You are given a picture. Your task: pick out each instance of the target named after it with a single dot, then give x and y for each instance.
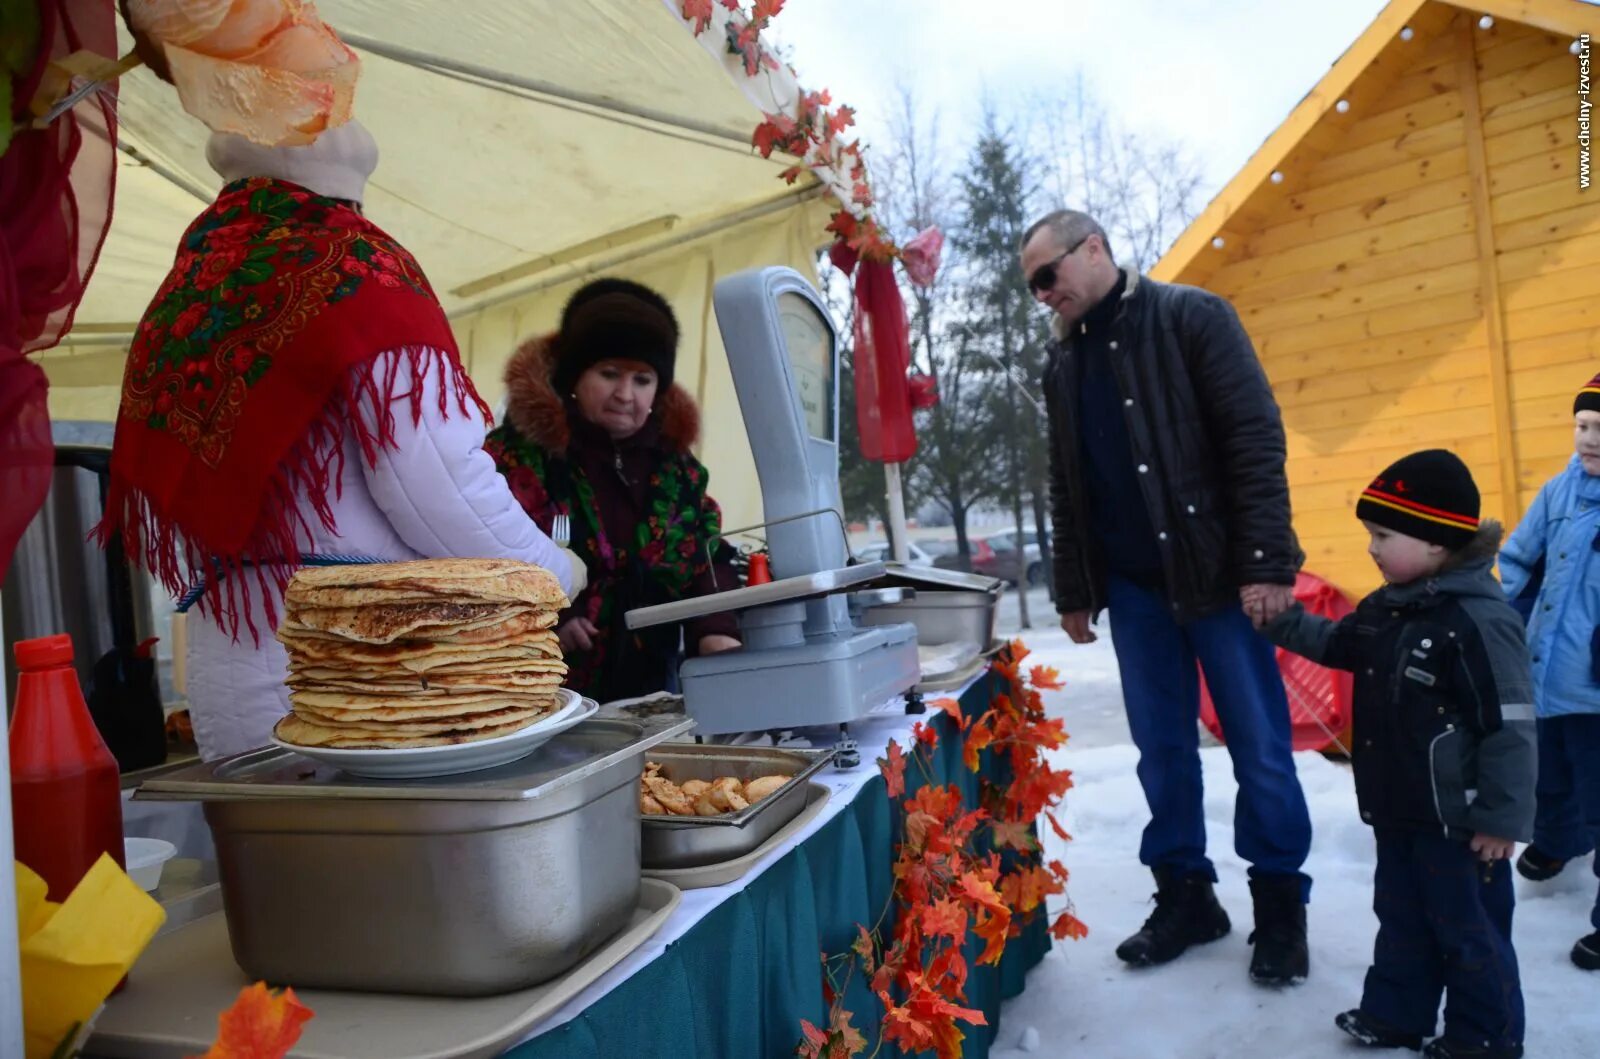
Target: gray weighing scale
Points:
(805, 660)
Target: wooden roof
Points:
(1359, 77)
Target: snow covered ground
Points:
(1082, 1002)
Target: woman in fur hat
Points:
(596, 429)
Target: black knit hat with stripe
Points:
(1588, 399)
(1429, 495)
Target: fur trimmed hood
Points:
(1484, 547)
(540, 414)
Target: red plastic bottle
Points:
(760, 570)
(66, 794)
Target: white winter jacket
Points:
(434, 494)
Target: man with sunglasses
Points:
(1170, 509)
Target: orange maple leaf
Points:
(927, 1020)
(945, 918)
(864, 948)
(979, 737)
(925, 735)
(894, 770)
(918, 827)
(815, 1040)
(950, 965)
(841, 120)
(951, 707)
(941, 803)
(700, 12)
(994, 929)
(1067, 926)
(1013, 834)
(1046, 678)
(844, 1040)
(260, 1025)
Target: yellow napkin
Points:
(74, 953)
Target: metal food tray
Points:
(169, 1009)
(695, 841)
(723, 872)
(821, 583)
(955, 678)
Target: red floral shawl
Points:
(240, 384)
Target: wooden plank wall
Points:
(1364, 292)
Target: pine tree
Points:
(1004, 324)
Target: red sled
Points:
(1319, 698)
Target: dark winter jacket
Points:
(1207, 444)
(1444, 730)
(640, 515)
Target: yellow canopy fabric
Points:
(527, 145)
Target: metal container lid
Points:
(933, 577)
(274, 773)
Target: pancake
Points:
(298, 731)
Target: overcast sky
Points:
(1218, 76)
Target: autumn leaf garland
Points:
(945, 888)
(815, 133)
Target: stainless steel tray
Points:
(566, 761)
(951, 681)
(169, 1009)
(693, 841)
(822, 583)
(942, 617)
(726, 871)
(468, 885)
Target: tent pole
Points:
(897, 513)
(569, 270)
(10, 957)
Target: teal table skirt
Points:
(738, 983)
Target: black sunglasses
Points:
(1044, 277)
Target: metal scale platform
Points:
(805, 660)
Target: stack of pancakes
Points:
(425, 653)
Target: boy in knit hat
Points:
(1444, 757)
(1553, 555)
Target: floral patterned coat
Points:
(641, 521)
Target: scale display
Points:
(808, 340)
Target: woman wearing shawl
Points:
(294, 391)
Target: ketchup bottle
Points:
(66, 794)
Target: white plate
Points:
(421, 761)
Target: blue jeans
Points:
(1444, 927)
(1161, 688)
(1568, 820)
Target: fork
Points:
(561, 530)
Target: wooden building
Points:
(1416, 261)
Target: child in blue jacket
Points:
(1559, 538)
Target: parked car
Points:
(879, 550)
(951, 559)
(1004, 563)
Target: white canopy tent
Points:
(527, 145)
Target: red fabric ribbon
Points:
(881, 360)
(56, 186)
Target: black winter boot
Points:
(1586, 953)
(1375, 1033)
(1445, 1048)
(1281, 957)
(1186, 913)
(1537, 865)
